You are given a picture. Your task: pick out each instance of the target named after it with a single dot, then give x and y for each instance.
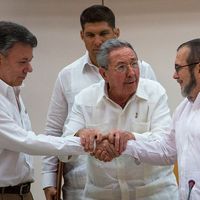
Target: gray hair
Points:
(11, 33)
(107, 47)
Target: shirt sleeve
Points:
(56, 116)
(75, 120)
(160, 151)
(146, 71)
(17, 139)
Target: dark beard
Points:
(190, 86)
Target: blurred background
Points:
(155, 28)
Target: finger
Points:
(107, 158)
(91, 142)
(117, 141)
(125, 141)
(98, 137)
(103, 155)
(83, 141)
(110, 149)
(122, 140)
(87, 142)
(98, 154)
(111, 136)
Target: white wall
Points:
(154, 27)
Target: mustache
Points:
(178, 81)
(131, 80)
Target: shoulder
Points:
(90, 95)
(70, 72)
(151, 89)
(4, 102)
(144, 64)
(179, 109)
(151, 85)
(146, 70)
(76, 66)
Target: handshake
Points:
(104, 147)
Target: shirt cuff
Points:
(139, 136)
(48, 180)
(130, 151)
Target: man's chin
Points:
(18, 84)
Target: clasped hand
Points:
(104, 147)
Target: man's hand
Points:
(50, 193)
(105, 151)
(119, 139)
(89, 137)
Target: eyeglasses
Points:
(179, 67)
(123, 67)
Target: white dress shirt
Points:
(183, 142)
(145, 113)
(17, 140)
(71, 80)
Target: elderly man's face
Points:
(15, 66)
(122, 75)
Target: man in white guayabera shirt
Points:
(17, 141)
(119, 106)
(182, 141)
(98, 25)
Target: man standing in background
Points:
(98, 25)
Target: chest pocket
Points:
(140, 127)
(141, 121)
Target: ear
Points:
(81, 34)
(199, 67)
(103, 73)
(1, 57)
(117, 32)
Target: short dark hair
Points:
(11, 33)
(97, 13)
(194, 46)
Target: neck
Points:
(93, 61)
(192, 98)
(193, 95)
(118, 99)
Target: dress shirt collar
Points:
(140, 93)
(196, 103)
(87, 64)
(6, 89)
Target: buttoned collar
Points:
(196, 103)
(87, 64)
(140, 92)
(7, 90)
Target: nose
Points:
(175, 75)
(98, 40)
(28, 68)
(130, 70)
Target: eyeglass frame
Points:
(134, 65)
(179, 67)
